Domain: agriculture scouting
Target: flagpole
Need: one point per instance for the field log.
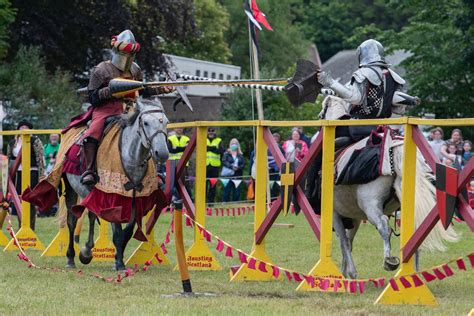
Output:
(256, 73)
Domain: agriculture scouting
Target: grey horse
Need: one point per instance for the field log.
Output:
(376, 200)
(144, 136)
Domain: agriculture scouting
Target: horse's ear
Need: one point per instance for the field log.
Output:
(139, 104)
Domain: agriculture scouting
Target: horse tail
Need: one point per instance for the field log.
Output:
(425, 200)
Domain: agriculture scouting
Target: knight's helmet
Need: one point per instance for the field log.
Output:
(369, 52)
(124, 48)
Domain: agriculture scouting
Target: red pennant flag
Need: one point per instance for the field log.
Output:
(158, 258)
(337, 285)
(262, 266)
(394, 285)
(449, 272)
(200, 229)
(471, 259)
(428, 276)
(209, 211)
(275, 272)
(288, 275)
(242, 257)
(252, 263)
(309, 280)
(220, 245)
(167, 239)
(406, 284)
(188, 222)
(376, 284)
(438, 274)
(233, 211)
(259, 16)
(353, 287)
(362, 287)
(297, 277)
(222, 212)
(228, 252)
(345, 283)
(238, 211)
(461, 265)
(163, 248)
(213, 181)
(381, 282)
(416, 280)
(324, 284)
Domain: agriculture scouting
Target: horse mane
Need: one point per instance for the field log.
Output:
(129, 118)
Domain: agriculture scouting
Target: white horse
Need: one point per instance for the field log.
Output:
(376, 200)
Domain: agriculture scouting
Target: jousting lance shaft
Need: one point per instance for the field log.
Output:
(121, 87)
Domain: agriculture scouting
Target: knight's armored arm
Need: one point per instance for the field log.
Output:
(352, 93)
(401, 100)
(98, 91)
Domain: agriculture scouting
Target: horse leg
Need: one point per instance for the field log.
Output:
(348, 266)
(380, 221)
(350, 233)
(71, 198)
(85, 255)
(118, 237)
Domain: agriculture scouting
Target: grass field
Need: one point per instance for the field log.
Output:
(32, 292)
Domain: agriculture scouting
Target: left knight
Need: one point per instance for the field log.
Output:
(104, 105)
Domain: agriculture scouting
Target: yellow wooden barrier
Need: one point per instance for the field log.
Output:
(26, 236)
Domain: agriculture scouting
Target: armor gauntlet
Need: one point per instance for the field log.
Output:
(151, 91)
(97, 96)
(351, 93)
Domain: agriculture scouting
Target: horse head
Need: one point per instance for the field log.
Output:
(152, 128)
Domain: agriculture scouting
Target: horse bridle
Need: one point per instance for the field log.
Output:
(142, 132)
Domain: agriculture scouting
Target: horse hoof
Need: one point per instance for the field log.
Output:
(119, 268)
(76, 238)
(85, 255)
(70, 265)
(391, 263)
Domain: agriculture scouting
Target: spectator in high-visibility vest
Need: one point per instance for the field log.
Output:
(215, 149)
(176, 145)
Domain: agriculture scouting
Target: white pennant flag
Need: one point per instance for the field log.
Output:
(237, 183)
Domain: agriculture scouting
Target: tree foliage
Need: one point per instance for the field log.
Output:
(331, 24)
(29, 91)
(73, 34)
(7, 16)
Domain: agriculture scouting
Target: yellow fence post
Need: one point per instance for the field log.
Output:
(258, 251)
(199, 256)
(146, 250)
(420, 295)
(26, 236)
(104, 249)
(325, 267)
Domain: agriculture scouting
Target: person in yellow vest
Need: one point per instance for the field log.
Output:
(215, 149)
(176, 145)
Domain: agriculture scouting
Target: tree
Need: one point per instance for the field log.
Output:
(330, 24)
(73, 34)
(28, 91)
(7, 16)
(212, 21)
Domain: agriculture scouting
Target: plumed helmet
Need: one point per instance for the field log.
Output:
(371, 51)
(124, 48)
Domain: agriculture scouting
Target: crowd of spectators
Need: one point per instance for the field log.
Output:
(454, 152)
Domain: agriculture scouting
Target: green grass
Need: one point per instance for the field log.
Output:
(29, 291)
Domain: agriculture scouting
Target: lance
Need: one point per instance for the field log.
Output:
(302, 87)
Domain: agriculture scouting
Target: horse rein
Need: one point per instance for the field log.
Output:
(142, 132)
